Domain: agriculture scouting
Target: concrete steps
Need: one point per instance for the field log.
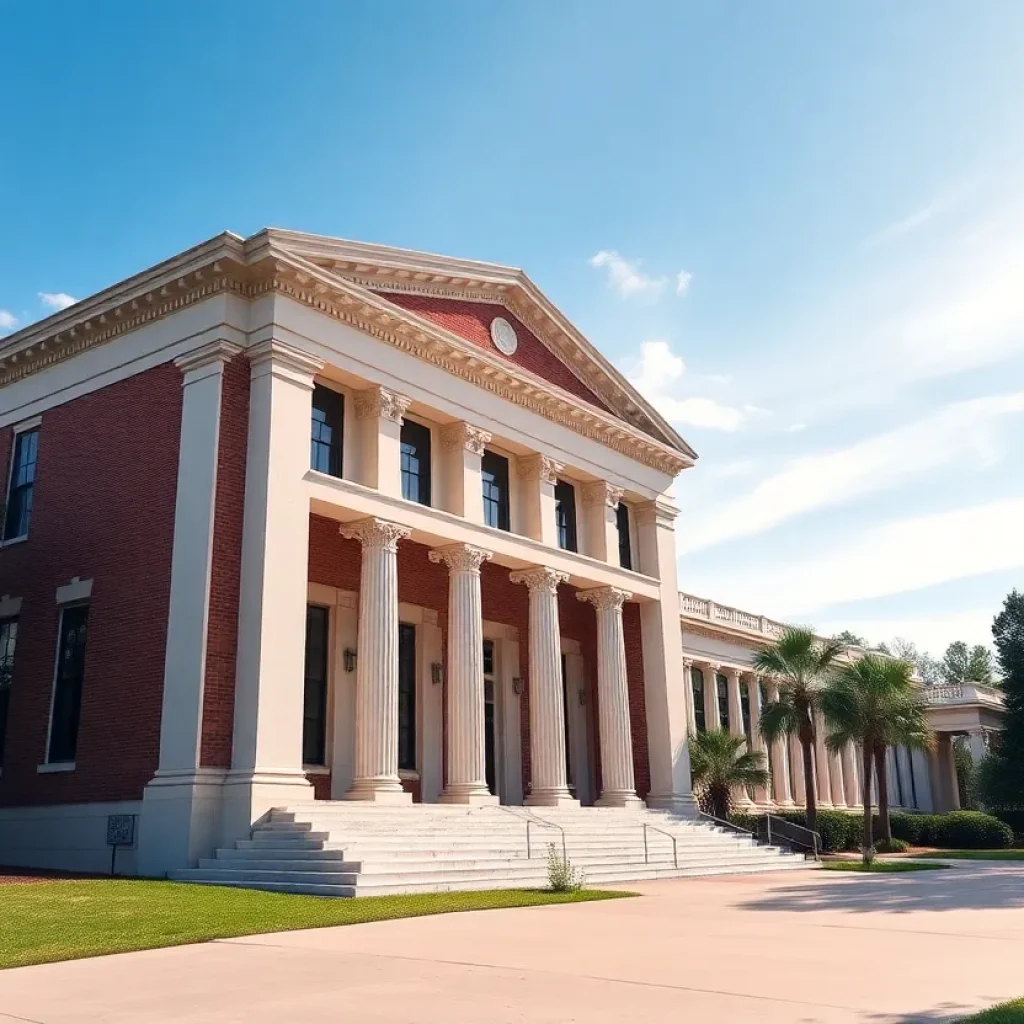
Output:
(342, 849)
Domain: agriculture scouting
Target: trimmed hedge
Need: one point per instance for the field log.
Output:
(957, 830)
(893, 845)
(1015, 819)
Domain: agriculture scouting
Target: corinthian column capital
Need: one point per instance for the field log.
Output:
(378, 401)
(600, 492)
(604, 598)
(460, 557)
(465, 435)
(540, 467)
(375, 533)
(539, 578)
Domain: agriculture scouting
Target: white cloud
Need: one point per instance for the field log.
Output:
(656, 374)
(897, 557)
(625, 276)
(832, 478)
(56, 300)
(7, 320)
(795, 428)
(683, 279)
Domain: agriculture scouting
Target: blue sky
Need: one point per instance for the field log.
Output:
(798, 227)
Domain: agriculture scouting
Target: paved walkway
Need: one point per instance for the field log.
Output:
(803, 947)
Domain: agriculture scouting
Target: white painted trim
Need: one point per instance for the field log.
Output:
(317, 769)
(14, 540)
(30, 424)
(10, 607)
(52, 767)
(34, 423)
(75, 591)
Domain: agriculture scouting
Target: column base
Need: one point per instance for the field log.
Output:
(468, 796)
(619, 798)
(785, 805)
(551, 798)
(249, 794)
(677, 803)
(378, 791)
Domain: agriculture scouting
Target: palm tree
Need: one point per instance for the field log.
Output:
(801, 663)
(873, 702)
(721, 764)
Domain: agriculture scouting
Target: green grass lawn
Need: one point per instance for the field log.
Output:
(880, 867)
(45, 921)
(973, 854)
(1004, 1013)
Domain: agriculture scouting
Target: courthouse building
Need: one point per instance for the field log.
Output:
(290, 518)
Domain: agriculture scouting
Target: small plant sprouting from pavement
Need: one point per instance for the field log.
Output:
(562, 876)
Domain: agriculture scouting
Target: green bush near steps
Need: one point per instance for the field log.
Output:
(956, 830)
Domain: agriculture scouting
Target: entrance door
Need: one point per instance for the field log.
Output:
(491, 724)
(406, 697)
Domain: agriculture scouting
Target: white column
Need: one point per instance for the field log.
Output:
(539, 475)
(376, 758)
(266, 756)
(181, 804)
(379, 415)
(781, 784)
(691, 714)
(600, 526)
(978, 744)
(618, 787)
(549, 786)
(712, 712)
(922, 779)
(740, 796)
(467, 782)
(851, 779)
(836, 779)
(463, 446)
(821, 772)
(761, 794)
(796, 768)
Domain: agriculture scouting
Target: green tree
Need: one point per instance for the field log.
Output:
(801, 663)
(851, 639)
(873, 703)
(963, 664)
(720, 764)
(1001, 777)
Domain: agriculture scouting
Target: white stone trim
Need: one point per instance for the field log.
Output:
(75, 591)
(10, 607)
(53, 767)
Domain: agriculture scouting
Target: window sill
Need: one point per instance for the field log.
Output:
(55, 766)
(14, 540)
(316, 769)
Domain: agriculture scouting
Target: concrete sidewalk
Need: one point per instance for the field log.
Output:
(803, 947)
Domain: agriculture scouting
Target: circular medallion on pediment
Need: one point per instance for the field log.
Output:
(503, 334)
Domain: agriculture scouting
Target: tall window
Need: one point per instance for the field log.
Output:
(67, 687)
(8, 638)
(698, 699)
(327, 430)
(415, 462)
(722, 691)
(745, 709)
(22, 482)
(625, 544)
(494, 473)
(314, 692)
(565, 515)
(407, 697)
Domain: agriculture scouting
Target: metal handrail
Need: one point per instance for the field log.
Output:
(675, 848)
(816, 841)
(528, 820)
(726, 823)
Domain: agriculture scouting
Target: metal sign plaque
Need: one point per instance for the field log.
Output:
(120, 829)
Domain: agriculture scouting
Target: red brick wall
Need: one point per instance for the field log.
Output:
(103, 508)
(472, 321)
(334, 561)
(222, 631)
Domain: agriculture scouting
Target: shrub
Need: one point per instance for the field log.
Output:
(1015, 819)
(562, 876)
(838, 830)
(970, 830)
(907, 827)
(893, 845)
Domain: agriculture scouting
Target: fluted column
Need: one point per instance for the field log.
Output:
(740, 796)
(761, 795)
(851, 781)
(467, 771)
(617, 783)
(836, 779)
(691, 712)
(376, 754)
(821, 772)
(712, 713)
(796, 769)
(549, 786)
(781, 785)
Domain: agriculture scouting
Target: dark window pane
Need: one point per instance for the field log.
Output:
(565, 515)
(494, 475)
(8, 639)
(407, 697)
(722, 689)
(416, 462)
(314, 696)
(625, 544)
(67, 690)
(22, 483)
(698, 699)
(327, 431)
(565, 721)
(745, 708)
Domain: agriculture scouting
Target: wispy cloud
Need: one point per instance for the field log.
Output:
(884, 461)
(683, 279)
(658, 373)
(7, 320)
(625, 276)
(56, 300)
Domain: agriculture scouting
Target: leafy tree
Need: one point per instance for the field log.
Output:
(961, 664)
(851, 639)
(872, 702)
(927, 667)
(1001, 782)
(801, 663)
(720, 764)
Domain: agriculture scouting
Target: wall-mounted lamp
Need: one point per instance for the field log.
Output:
(349, 658)
(436, 673)
(583, 697)
(517, 686)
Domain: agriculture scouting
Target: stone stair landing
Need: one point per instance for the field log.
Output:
(336, 848)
